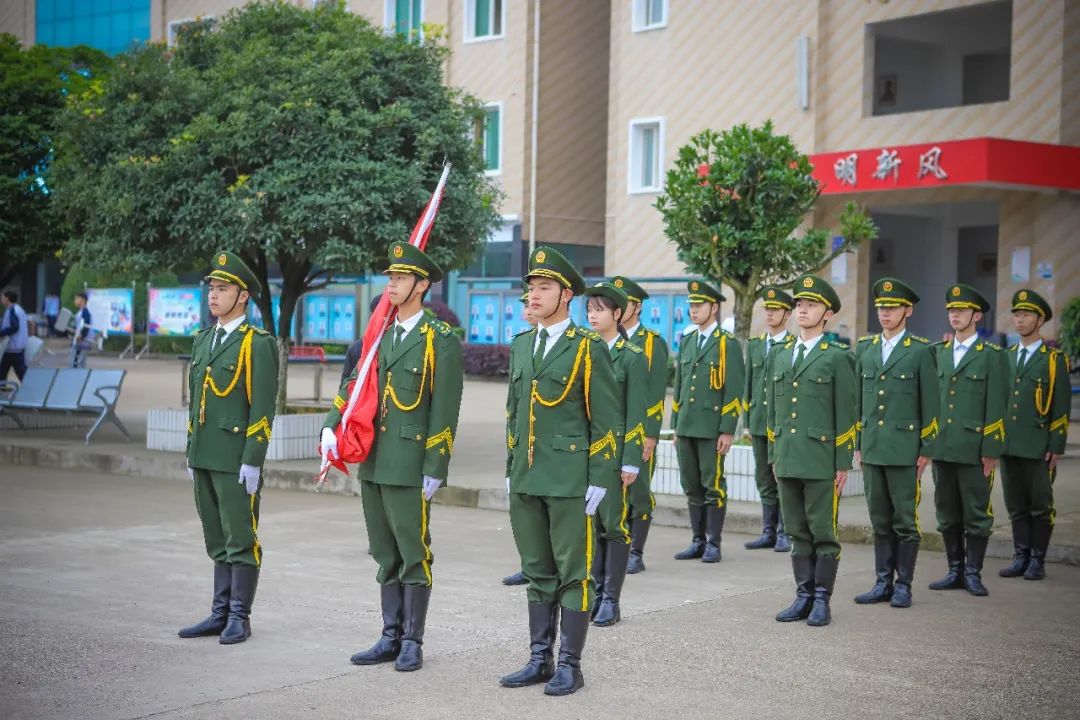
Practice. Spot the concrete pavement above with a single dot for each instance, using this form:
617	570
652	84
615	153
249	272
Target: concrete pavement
100	570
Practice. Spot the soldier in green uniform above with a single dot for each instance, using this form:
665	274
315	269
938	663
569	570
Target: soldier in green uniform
811	426
233	384
709	380
972	377
563	454
759	352
517	578
898	409
420	381
1036	426
606	303
642	502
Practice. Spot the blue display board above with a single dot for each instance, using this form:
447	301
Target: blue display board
513	322
486	313
680	320
174	311
329	318
255	315
111	309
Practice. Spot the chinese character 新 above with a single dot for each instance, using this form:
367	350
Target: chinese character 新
888	162
930	164
845	169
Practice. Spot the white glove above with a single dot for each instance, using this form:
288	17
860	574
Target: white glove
507	486
328	445
191	473
593	496
249	478
431	486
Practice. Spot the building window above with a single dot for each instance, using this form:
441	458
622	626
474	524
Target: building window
942	59
483	20
178	27
406	17
649	15
111	26
488	136
646	149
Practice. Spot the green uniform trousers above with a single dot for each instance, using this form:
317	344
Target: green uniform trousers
1029	488
398	533
893	494
701	470
613	515
554	538
763	471
642	501
230	517
962	498
810	511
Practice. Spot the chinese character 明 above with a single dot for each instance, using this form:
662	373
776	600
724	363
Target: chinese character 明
930	164
888	162
845	169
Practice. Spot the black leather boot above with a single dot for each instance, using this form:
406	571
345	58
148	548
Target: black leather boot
1021	530
803	569
614	575
572	630
767	539
884	565
517	578
906	554
714	524
541	665
599	565
783	541
1040	541
219	606
824	580
639	533
387	647
696	548
411	657
244	581
954	553
976	551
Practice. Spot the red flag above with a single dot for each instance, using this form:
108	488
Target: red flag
356	431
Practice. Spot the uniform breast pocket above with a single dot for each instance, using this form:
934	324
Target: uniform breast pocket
407	378
779	384
819	385
975	381
413	432
233	426
569	443
903	381
620	376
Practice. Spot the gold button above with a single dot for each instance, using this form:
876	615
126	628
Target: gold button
910	427
573	447
795	400
1017	381
822	438
880	422
1016	392
716	407
792	431
692	387
794	415
880	392
694	376
795	384
949	421
1015	406
952	392
954	378
880	407
951	406
978	428
691	399
235	429
882	377
1014	417
419	436
382	429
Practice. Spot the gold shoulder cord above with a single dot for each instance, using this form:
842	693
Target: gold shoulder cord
716	375
244	363
535	397
429	360
1043	408
648	348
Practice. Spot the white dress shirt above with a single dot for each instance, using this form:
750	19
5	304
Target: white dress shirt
631	331
887	346
229	328
704	335
1031	350
808	344
554	333
408	323
960	348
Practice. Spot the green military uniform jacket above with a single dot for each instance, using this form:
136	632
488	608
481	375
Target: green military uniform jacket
709	384
812	412
757	373
1040	399
233	393
656	358
898	400
972	403
632	383
566	418
420	385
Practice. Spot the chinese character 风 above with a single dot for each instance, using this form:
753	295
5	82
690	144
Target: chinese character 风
930	164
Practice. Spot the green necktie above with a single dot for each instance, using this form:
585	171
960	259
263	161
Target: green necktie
538	356
799	356
218	338
399	332
1023	359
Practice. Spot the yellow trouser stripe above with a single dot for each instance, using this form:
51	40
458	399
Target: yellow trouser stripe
625	512
588	564
716	480
990	505
423	536
918	499
257	550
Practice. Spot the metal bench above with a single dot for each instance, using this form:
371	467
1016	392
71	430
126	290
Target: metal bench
30	394
73	391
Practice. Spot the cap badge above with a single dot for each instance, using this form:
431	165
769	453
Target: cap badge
398	251
618	282
956	292
1023	295
886	286
808	283
540	256
222	259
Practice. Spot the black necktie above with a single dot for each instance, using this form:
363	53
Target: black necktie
799	356
399	331
541	348
1023	358
218	338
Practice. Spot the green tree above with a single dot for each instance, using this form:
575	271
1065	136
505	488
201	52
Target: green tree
304	140
34	84
1069	330
733	203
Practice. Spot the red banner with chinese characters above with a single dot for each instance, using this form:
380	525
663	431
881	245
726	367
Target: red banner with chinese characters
979	161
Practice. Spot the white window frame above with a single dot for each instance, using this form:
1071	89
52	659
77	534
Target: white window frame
389	17
502	140
173	27
469	15
638	12
633	186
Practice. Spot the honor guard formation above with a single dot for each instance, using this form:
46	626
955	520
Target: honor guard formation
584	411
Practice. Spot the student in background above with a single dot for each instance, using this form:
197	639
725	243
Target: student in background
15	328
80	343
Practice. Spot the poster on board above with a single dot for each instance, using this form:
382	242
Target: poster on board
485	316
174	311
111	309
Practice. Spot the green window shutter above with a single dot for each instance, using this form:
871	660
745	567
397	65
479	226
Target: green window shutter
417	16
496	17
491	139
648	148
481	18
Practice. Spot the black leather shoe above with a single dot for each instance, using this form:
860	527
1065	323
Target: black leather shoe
219	607
884	565
244	581
517	578
824	580
568	678
541	665
411	657
696	548
614	576
639	533
599	564
1040	542
783	540
906	554
714	529
803	569
767	539
1021	531
976	551
388	645
954	553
